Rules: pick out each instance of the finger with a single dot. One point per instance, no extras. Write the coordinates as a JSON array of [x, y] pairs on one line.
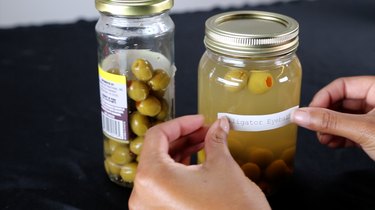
[[352, 127], [188, 144], [360, 87], [354, 105], [349, 143], [336, 143], [326, 139], [187, 152], [216, 148], [158, 138]]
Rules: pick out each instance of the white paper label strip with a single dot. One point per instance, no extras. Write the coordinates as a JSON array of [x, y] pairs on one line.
[[258, 122]]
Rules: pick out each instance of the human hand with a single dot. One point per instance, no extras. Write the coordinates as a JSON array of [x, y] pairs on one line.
[[162, 182], [343, 114]]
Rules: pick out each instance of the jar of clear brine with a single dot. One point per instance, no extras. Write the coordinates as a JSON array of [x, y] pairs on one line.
[[136, 78], [250, 73]]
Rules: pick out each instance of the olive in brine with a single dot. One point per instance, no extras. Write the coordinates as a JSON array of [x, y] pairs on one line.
[[128, 172], [235, 80], [260, 156], [139, 123], [164, 110], [159, 81], [158, 93], [142, 69], [121, 155], [138, 90], [151, 106], [110, 146], [260, 82], [111, 168], [277, 171], [252, 171], [136, 145], [288, 156]]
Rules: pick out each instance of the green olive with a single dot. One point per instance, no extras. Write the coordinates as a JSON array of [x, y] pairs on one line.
[[252, 171], [142, 69], [136, 145], [128, 172], [107, 150], [260, 82], [158, 93], [151, 106], [164, 110], [121, 155], [160, 80], [111, 168], [235, 80], [288, 155], [260, 156], [139, 123], [277, 171], [138, 90], [110, 146]]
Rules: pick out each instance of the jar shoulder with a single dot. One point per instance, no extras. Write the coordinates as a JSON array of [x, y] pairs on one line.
[[212, 59], [124, 26]]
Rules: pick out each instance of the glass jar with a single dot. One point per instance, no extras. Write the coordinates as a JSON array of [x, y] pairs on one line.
[[251, 74], [136, 78]]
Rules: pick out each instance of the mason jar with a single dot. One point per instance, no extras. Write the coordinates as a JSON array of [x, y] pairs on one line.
[[136, 78], [250, 73]]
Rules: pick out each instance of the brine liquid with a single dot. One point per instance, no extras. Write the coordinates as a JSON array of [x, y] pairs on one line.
[[265, 156]]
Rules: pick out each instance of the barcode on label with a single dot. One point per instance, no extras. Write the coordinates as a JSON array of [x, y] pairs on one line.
[[113, 127]]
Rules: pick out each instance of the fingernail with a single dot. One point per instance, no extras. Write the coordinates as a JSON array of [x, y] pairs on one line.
[[301, 117], [224, 124]]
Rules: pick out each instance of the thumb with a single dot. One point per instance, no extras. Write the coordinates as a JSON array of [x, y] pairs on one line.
[[216, 148], [350, 126]]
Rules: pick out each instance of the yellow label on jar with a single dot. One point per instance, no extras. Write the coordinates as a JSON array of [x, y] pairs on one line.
[[121, 79], [113, 98]]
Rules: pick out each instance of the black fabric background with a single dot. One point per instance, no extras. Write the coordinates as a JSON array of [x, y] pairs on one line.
[[51, 147]]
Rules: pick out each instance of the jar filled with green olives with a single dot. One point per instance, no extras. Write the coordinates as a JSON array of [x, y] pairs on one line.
[[250, 73], [136, 78]]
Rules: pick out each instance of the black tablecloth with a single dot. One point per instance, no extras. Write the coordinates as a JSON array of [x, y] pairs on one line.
[[51, 154]]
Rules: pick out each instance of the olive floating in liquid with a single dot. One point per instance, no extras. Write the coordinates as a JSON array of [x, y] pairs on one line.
[[151, 106], [142, 69], [139, 123], [138, 90], [235, 80], [159, 81], [260, 82]]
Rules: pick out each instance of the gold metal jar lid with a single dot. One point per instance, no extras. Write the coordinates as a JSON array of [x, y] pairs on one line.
[[133, 7], [251, 34]]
